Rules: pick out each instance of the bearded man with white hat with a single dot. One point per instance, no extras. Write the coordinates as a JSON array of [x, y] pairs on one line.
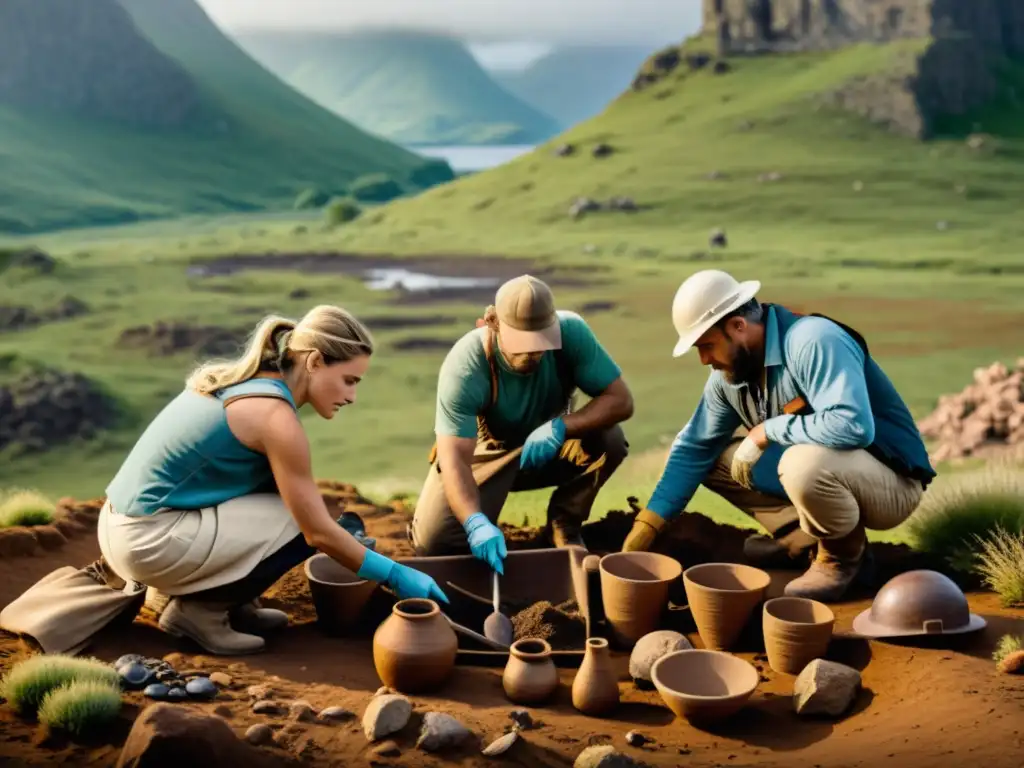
[[797, 426]]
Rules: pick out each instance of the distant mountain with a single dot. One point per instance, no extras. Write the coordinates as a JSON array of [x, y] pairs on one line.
[[119, 110], [410, 87], [574, 83]]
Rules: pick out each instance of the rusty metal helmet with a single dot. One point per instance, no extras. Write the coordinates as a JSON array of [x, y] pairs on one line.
[[918, 603]]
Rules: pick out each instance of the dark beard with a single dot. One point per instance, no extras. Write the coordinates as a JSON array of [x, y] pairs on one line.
[[746, 367]]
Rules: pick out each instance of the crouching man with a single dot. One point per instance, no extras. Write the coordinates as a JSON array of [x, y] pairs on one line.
[[504, 423], [830, 447]]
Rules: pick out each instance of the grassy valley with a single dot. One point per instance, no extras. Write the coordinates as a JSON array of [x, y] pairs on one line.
[[255, 144], [412, 88]]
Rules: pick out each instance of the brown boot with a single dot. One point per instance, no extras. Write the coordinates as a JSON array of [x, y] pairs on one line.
[[834, 569], [208, 625]]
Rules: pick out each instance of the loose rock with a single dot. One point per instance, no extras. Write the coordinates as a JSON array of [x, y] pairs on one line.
[[387, 749], [649, 649], [636, 739], [267, 707], [259, 734], [156, 691], [386, 714], [825, 688], [383, 691], [336, 715], [134, 675], [602, 150], [605, 756], [201, 688], [260, 692], [302, 712], [221, 679], [441, 731], [501, 745]]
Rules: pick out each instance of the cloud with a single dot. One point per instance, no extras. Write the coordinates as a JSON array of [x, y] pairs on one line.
[[578, 21]]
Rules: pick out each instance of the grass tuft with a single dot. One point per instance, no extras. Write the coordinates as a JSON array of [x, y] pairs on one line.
[[81, 707], [25, 507], [28, 682], [1007, 644], [1001, 563], [961, 512]]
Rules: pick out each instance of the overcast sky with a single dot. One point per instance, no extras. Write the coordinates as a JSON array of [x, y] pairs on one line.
[[605, 21]]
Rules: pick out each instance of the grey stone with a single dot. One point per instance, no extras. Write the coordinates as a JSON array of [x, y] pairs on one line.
[[605, 756], [440, 731], [259, 734], [649, 649], [825, 688], [386, 714]]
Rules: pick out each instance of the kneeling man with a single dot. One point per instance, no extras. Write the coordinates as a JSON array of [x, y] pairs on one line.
[[504, 423], [830, 447]]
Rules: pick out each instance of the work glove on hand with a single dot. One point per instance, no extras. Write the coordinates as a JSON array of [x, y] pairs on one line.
[[486, 541], [543, 444], [646, 528], [405, 581], [743, 461]]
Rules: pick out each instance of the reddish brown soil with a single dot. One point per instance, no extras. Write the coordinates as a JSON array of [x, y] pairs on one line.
[[940, 704]]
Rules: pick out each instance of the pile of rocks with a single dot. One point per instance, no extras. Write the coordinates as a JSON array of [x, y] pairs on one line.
[[168, 338], [985, 419], [19, 318], [43, 408]]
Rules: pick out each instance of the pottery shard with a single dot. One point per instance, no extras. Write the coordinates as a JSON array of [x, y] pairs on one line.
[[165, 734], [441, 731], [649, 649], [605, 756], [825, 688], [386, 714]]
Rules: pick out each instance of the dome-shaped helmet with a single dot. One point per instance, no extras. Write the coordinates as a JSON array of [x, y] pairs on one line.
[[918, 603]]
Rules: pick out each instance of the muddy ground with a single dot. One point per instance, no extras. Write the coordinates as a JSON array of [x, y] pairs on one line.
[[921, 706]]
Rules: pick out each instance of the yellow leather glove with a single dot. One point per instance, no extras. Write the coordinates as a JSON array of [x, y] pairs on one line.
[[646, 528]]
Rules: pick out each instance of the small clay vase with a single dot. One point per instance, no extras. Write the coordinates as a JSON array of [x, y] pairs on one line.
[[722, 598], [595, 690], [796, 632], [530, 675], [414, 648]]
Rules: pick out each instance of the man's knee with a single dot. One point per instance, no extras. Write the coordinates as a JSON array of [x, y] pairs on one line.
[[616, 447], [812, 478]]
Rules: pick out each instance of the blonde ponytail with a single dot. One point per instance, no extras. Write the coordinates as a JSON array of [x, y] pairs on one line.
[[267, 343]]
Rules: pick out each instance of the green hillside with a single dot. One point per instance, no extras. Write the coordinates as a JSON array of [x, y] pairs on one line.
[[574, 83], [260, 143], [413, 88]]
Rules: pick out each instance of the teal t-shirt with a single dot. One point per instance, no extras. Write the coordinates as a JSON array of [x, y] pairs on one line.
[[525, 401]]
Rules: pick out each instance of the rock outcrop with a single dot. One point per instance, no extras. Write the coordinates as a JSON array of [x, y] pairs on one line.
[[89, 59], [951, 75]]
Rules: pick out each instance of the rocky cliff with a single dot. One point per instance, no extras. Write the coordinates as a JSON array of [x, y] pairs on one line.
[[86, 57], [953, 74]]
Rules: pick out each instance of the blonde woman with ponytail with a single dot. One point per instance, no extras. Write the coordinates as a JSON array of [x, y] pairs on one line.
[[216, 501]]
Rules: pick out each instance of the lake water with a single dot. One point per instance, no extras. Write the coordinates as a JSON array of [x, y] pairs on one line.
[[465, 159]]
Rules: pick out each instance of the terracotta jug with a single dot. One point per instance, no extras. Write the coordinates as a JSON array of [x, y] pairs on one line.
[[595, 690], [722, 597], [414, 648], [530, 675], [634, 593], [796, 632]]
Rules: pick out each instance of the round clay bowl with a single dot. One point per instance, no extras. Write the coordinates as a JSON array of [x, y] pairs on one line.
[[796, 632], [339, 595], [704, 686], [722, 597], [634, 592]]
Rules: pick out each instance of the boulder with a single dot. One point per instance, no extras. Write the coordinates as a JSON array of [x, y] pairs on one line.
[[164, 734]]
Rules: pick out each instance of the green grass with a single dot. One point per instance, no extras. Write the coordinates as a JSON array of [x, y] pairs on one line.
[[414, 88], [81, 708], [27, 683], [1007, 644], [25, 507], [261, 146], [1001, 563], [933, 303]]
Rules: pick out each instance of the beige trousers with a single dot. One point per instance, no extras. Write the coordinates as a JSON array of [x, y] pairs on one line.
[[578, 473], [829, 491], [181, 552]]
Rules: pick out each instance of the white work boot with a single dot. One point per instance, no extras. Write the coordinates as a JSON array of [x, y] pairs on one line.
[[208, 624]]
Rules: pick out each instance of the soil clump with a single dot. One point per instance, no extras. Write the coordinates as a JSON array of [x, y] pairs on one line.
[[562, 625]]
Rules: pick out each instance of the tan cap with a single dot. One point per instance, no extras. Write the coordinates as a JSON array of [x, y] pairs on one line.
[[527, 321]]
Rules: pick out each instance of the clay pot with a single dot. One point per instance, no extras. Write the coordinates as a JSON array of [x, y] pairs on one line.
[[704, 686], [339, 595], [634, 593], [530, 675], [722, 597], [414, 648], [595, 689], [796, 632]]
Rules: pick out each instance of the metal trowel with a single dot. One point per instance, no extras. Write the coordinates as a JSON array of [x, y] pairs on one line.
[[497, 626]]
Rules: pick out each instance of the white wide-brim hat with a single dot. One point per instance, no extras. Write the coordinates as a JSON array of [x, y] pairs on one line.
[[704, 299]]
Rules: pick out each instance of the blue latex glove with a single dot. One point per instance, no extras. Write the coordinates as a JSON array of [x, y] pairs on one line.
[[405, 581], [486, 541], [543, 444]]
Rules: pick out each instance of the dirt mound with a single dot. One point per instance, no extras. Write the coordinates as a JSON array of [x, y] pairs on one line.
[[18, 318], [43, 408], [162, 339], [983, 420]]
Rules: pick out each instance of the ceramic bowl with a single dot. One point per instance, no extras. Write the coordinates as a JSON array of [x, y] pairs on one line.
[[704, 686]]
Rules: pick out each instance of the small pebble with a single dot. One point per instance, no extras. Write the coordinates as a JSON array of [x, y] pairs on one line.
[[157, 691], [165, 675], [134, 675], [387, 749], [259, 734], [221, 679], [259, 692], [177, 694], [635, 739], [201, 688], [302, 712], [336, 714], [266, 707]]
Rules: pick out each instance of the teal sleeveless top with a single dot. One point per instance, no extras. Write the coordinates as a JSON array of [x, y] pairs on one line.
[[188, 457]]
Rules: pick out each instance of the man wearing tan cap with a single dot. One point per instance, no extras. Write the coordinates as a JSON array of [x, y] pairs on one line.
[[798, 426], [504, 423]]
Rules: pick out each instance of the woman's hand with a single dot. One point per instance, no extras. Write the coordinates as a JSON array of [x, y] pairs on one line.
[[405, 581]]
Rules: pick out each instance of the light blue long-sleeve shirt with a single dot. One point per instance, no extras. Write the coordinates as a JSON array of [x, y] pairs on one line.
[[854, 403]]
